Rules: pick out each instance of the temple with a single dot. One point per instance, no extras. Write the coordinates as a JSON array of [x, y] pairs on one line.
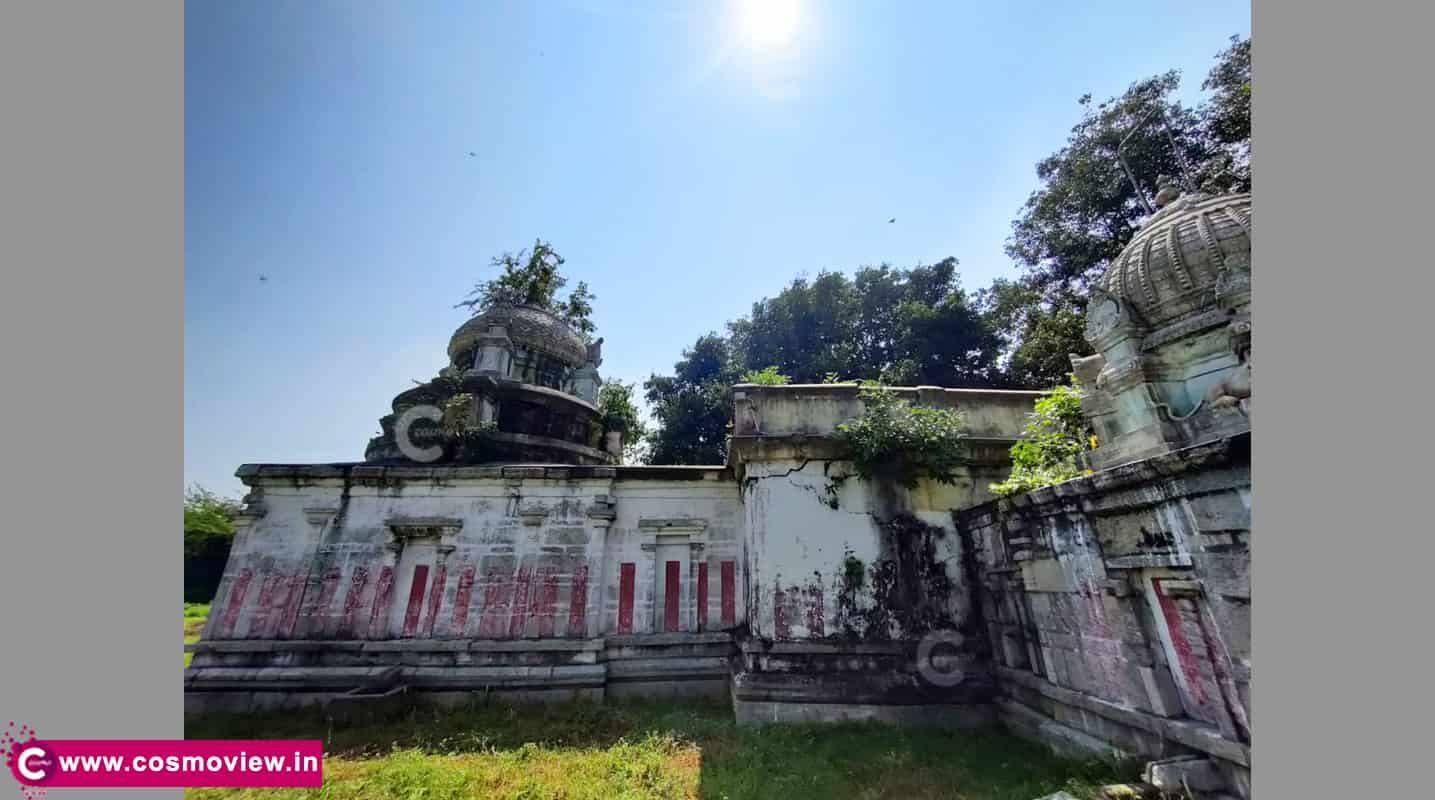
[[491, 542]]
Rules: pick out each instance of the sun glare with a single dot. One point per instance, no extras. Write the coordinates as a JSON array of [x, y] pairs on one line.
[[768, 23]]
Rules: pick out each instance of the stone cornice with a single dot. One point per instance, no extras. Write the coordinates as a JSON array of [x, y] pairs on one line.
[[1230, 450], [361, 472]]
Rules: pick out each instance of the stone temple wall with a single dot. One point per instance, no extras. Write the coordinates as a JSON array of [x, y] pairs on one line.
[[784, 577], [527, 579], [1108, 613], [1118, 607]]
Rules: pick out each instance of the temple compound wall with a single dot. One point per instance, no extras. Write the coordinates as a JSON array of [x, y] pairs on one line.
[[560, 581], [1119, 611]]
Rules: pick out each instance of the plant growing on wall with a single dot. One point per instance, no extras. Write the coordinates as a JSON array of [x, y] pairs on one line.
[[767, 376], [532, 278], [457, 411], [1056, 435], [897, 440], [616, 409]]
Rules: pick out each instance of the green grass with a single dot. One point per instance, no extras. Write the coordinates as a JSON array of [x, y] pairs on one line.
[[650, 751], [194, 616]]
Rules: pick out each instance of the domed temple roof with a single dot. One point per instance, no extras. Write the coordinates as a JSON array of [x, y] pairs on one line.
[[1171, 267], [528, 327]]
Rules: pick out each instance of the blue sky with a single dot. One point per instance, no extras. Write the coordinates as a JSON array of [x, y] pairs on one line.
[[684, 162]]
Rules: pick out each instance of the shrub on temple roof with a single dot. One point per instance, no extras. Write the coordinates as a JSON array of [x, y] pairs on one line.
[[533, 278], [616, 409], [1056, 435], [767, 376], [904, 442]]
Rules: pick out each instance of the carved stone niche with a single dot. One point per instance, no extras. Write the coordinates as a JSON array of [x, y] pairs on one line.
[[442, 530], [673, 549], [652, 531]]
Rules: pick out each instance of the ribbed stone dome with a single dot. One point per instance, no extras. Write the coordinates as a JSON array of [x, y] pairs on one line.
[[528, 327], [1170, 269]]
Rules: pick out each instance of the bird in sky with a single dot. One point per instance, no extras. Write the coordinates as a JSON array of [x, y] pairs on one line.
[[892, 220], [263, 277], [472, 154]]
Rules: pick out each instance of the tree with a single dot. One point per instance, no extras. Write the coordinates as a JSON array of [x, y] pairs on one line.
[[207, 516], [615, 406], [208, 535], [693, 406], [1227, 115], [1086, 208], [899, 326], [533, 278]]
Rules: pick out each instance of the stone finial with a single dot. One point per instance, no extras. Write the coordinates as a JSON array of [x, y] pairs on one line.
[[1166, 191]]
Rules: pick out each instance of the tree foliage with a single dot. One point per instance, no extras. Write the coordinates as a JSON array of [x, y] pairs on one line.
[[693, 406], [900, 441], [918, 326], [616, 408], [208, 520], [533, 278], [1056, 435], [1085, 209], [767, 376], [898, 326]]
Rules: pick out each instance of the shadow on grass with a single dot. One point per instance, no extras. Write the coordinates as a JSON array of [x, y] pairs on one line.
[[850, 760]]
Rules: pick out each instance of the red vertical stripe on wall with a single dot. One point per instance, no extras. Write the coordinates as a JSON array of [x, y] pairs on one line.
[[545, 606], [1189, 665], [235, 601], [625, 597], [729, 594], [416, 600], [519, 621], [460, 600], [353, 602], [781, 621], [259, 624], [440, 577], [327, 589], [378, 617], [578, 603], [291, 611], [703, 596], [670, 597], [495, 605]]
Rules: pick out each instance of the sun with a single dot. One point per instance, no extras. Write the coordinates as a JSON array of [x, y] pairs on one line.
[[768, 23]]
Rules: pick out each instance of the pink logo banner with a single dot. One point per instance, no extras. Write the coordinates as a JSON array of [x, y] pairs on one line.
[[51, 763]]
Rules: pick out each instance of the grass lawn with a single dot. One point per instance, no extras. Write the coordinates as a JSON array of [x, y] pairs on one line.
[[488, 750], [194, 616]]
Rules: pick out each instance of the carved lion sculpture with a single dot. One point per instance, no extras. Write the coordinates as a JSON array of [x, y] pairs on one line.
[[1234, 391], [1087, 369]]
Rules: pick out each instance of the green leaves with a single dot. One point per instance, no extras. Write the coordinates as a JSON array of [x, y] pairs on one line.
[[1085, 209], [767, 376], [615, 405], [208, 522], [1055, 438], [533, 278], [896, 440]]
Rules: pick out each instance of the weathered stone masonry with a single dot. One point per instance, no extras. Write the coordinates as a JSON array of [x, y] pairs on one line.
[[1118, 607]]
